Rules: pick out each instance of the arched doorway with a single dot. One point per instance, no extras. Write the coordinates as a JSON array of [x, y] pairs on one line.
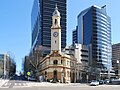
[[55, 76]]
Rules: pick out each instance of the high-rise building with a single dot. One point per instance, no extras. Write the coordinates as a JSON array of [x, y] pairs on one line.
[[41, 22], [116, 52], [94, 29], [74, 34], [116, 59]]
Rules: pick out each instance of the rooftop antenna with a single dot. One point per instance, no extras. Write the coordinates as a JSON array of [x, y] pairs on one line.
[[56, 8], [103, 6]]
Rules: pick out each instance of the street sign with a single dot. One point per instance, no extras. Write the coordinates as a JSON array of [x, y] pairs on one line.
[[28, 73]]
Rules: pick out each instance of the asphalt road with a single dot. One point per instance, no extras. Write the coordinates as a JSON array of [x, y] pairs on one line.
[[16, 81], [67, 88], [19, 83]]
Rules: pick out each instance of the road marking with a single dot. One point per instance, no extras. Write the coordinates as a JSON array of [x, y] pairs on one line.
[[20, 84], [15, 84], [24, 84], [5, 84]]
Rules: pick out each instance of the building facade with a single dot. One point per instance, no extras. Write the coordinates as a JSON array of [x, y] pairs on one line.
[[116, 59], [41, 22], [81, 53], [74, 36], [7, 66], [94, 29], [58, 66]]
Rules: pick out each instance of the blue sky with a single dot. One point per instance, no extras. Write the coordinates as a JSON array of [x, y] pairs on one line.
[[15, 24]]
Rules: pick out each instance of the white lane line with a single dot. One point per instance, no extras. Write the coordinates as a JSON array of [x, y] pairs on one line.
[[15, 84], [5, 84], [24, 84]]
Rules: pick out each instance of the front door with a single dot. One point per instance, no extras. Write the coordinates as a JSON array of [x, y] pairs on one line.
[[55, 76]]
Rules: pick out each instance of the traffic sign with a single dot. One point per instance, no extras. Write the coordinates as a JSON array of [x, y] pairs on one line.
[[28, 73]]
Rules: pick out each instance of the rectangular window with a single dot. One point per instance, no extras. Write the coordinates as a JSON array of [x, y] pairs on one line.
[[61, 61], [68, 63]]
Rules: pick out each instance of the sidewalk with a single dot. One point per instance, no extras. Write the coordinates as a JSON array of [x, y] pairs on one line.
[[2, 81]]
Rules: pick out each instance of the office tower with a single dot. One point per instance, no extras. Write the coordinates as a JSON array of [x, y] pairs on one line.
[[116, 59], [116, 52], [94, 29], [41, 22], [74, 36]]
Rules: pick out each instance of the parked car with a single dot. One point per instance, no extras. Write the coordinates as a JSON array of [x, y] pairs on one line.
[[94, 83], [106, 81], [101, 82], [115, 82]]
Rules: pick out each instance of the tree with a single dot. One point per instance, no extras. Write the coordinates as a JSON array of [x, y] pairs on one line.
[[35, 59]]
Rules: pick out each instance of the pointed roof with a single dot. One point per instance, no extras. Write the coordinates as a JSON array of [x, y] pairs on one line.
[[56, 12]]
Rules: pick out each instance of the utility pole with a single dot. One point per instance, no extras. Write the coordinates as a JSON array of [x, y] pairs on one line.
[[4, 65]]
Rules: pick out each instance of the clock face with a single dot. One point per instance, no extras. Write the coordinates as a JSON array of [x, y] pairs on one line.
[[55, 34]]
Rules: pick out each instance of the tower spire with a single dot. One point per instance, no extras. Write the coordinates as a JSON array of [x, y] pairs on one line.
[[56, 8], [56, 12], [56, 18]]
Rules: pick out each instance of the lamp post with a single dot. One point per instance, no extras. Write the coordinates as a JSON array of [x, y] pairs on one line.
[[87, 77], [4, 63], [118, 68]]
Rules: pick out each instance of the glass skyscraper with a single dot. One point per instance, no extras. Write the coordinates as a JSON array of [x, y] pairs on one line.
[[41, 22], [94, 29]]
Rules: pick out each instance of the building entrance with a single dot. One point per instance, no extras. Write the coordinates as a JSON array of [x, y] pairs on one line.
[[55, 76]]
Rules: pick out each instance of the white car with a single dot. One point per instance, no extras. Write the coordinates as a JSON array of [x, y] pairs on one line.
[[94, 83]]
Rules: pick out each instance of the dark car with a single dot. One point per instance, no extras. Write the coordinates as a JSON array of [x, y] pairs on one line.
[[101, 82], [106, 81], [115, 82]]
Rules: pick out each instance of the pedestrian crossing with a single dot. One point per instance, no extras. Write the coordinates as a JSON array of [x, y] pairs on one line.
[[14, 84]]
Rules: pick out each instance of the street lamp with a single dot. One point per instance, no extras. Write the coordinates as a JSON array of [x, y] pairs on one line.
[[118, 67], [87, 76], [4, 63]]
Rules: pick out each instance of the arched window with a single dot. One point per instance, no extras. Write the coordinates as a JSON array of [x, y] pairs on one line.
[[55, 62], [55, 41], [55, 21], [45, 72]]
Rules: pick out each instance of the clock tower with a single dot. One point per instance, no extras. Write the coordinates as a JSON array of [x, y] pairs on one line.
[[57, 66], [56, 31]]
